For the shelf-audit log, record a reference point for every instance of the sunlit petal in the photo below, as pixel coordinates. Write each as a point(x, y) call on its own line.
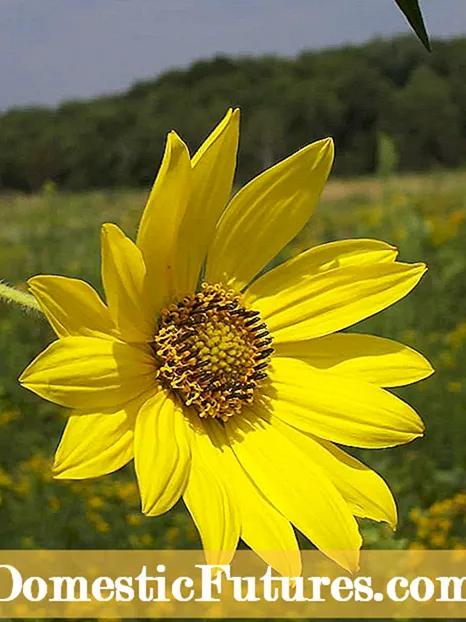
point(365, 358)
point(96, 443)
point(72, 307)
point(162, 453)
point(266, 214)
point(123, 276)
point(263, 528)
point(212, 507)
point(159, 229)
point(340, 254)
point(366, 492)
point(85, 372)
point(213, 169)
point(339, 409)
point(297, 486)
point(303, 308)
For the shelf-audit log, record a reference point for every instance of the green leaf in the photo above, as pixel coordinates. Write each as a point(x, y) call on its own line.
point(413, 14)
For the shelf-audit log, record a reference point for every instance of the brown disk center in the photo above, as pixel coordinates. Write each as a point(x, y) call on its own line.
point(213, 351)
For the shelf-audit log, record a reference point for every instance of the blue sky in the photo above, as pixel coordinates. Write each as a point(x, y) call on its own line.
point(52, 50)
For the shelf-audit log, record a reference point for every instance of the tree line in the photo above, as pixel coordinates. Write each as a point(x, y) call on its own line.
point(391, 88)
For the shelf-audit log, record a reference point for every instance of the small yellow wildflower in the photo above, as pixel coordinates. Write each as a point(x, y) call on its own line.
point(414, 515)
point(134, 541)
point(5, 479)
point(437, 539)
point(7, 416)
point(102, 526)
point(172, 534)
point(133, 519)
point(54, 504)
point(28, 542)
point(444, 524)
point(95, 502)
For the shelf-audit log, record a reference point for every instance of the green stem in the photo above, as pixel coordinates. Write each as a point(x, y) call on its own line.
point(11, 294)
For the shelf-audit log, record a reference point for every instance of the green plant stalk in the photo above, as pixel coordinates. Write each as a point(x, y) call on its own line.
point(412, 12)
point(11, 294)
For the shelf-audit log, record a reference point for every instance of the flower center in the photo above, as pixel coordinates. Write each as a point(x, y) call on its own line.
point(213, 351)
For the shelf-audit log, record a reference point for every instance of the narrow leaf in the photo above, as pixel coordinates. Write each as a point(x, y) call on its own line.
point(412, 12)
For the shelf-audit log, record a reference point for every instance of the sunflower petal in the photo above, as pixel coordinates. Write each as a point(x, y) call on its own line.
point(339, 409)
point(72, 307)
point(162, 454)
point(297, 486)
point(340, 254)
point(123, 276)
point(303, 307)
point(266, 214)
point(213, 169)
point(366, 492)
point(355, 252)
point(160, 223)
point(217, 521)
point(364, 358)
point(85, 372)
point(263, 528)
point(94, 444)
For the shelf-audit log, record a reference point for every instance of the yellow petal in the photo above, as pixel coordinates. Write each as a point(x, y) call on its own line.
point(341, 253)
point(364, 358)
point(210, 504)
point(303, 307)
point(297, 486)
point(123, 276)
point(263, 528)
point(162, 454)
point(94, 444)
point(320, 258)
point(213, 169)
point(366, 492)
point(85, 372)
point(266, 214)
point(72, 306)
point(160, 223)
point(339, 409)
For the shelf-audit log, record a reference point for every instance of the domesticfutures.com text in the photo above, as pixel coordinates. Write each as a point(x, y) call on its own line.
point(211, 582)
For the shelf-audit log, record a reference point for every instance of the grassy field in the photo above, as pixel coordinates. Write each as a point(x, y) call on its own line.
point(59, 233)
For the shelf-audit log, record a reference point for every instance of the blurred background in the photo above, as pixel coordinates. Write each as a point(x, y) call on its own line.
point(89, 91)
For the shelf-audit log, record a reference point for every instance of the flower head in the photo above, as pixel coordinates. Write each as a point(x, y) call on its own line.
point(228, 388)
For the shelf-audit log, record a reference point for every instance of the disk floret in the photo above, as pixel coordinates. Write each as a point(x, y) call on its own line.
point(213, 351)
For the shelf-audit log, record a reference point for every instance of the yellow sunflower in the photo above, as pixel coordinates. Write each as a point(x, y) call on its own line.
point(228, 386)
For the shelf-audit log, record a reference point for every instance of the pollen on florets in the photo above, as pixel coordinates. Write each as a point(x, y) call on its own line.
point(213, 351)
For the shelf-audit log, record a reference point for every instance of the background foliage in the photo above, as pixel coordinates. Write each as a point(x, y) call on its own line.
point(352, 93)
